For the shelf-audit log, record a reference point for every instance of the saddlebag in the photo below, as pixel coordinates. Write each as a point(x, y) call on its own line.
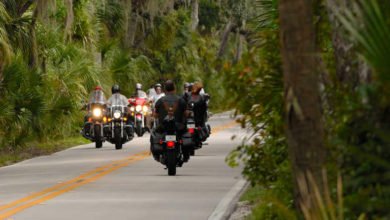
point(155, 146)
point(187, 141)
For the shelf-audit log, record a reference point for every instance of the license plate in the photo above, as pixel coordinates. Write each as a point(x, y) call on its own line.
point(170, 138)
point(191, 126)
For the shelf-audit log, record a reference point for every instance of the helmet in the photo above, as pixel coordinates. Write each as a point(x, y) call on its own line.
point(98, 88)
point(115, 89)
point(157, 85)
point(190, 86)
point(186, 85)
point(138, 86)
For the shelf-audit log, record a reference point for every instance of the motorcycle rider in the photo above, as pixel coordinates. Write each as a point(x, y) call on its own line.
point(116, 95)
point(96, 97)
point(159, 93)
point(153, 100)
point(174, 103)
point(187, 91)
point(186, 87)
point(139, 93)
point(118, 99)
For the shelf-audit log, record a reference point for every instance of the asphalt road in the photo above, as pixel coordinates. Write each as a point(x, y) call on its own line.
point(88, 183)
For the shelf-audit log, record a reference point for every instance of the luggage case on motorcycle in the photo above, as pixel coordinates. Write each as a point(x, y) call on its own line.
point(155, 146)
point(187, 141)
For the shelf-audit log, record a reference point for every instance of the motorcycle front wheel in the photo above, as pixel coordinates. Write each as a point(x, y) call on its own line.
point(118, 138)
point(98, 138)
point(139, 129)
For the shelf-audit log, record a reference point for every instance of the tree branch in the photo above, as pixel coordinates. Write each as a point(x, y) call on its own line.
point(25, 7)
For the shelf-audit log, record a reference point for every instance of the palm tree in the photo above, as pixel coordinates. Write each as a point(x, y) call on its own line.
point(5, 47)
point(303, 117)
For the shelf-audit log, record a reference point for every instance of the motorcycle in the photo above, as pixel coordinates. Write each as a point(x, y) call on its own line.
point(139, 111)
point(118, 130)
point(93, 127)
point(170, 147)
point(197, 133)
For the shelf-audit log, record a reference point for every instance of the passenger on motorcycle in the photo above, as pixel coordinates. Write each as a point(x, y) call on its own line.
point(198, 103)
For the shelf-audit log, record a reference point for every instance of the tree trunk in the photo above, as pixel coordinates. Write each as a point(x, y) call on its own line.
point(33, 59)
point(131, 29)
point(225, 39)
point(69, 20)
point(350, 70)
point(302, 99)
point(240, 43)
point(194, 14)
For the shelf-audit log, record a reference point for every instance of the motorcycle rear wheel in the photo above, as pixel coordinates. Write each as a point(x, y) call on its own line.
point(171, 163)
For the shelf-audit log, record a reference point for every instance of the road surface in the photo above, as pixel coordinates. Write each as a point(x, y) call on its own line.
point(88, 183)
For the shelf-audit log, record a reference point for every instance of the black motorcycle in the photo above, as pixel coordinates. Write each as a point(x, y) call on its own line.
point(118, 130)
point(198, 134)
point(169, 148)
point(93, 126)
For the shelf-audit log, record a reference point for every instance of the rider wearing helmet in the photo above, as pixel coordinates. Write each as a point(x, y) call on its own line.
point(117, 98)
point(139, 93)
point(96, 98)
point(159, 93)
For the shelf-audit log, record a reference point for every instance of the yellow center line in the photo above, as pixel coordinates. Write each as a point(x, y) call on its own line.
point(88, 177)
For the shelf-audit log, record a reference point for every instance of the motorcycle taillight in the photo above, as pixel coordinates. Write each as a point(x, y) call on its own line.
point(170, 144)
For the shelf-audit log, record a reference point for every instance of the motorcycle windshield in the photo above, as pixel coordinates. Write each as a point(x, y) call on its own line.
point(97, 97)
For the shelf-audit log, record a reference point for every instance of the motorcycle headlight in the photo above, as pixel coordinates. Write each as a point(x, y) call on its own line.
point(132, 108)
point(145, 108)
point(97, 112)
point(138, 108)
point(117, 114)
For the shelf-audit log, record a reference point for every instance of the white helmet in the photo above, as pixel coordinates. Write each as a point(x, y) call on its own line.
point(138, 86)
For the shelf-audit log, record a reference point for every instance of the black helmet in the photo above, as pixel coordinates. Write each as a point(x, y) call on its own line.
point(115, 89)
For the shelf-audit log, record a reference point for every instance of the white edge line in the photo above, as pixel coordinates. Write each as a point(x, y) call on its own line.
point(227, 205)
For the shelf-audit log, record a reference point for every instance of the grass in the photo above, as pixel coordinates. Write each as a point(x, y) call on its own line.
point(34, 149)
point(252, 194)
point(267, 203)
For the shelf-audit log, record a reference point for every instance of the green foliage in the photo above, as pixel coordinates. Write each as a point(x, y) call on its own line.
point(21, 102)
point(44, 102)
point(258, 78)
point(362, 129)
point(272, 202)
point(209, 15)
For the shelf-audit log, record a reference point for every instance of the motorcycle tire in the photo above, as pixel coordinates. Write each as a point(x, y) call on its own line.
point(139, 130)
point(171, 163)
point(98, 141)
point(192, 152)
point(118, 139)
point(99, 144)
